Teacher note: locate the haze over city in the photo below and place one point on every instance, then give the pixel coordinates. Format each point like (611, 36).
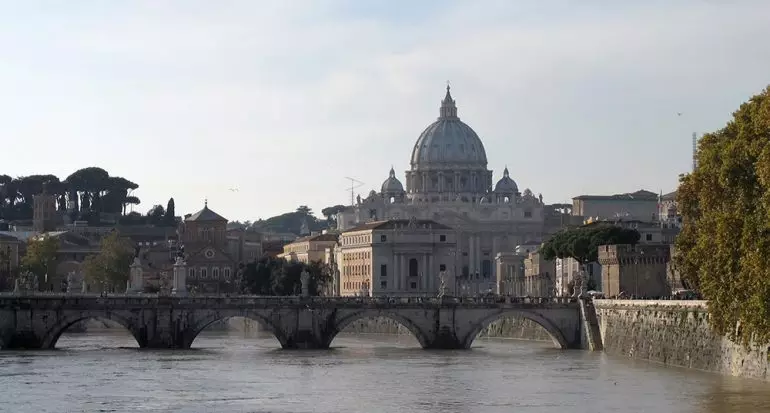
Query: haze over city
(283, 100)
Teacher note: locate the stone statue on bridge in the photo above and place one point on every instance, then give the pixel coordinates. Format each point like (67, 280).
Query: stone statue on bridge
(304, 278)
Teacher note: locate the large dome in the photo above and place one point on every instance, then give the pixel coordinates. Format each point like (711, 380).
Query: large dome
(448, 142)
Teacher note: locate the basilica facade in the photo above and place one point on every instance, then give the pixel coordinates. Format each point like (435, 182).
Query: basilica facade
(448, 182)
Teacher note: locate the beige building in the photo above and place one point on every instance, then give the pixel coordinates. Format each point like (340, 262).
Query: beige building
(636, 271)
(312, 248)
(397, 257)
(640, 205)
(539, 276)
(244, 245)
(448, 182)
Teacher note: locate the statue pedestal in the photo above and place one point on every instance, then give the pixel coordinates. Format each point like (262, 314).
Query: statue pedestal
(180, 278)
(135, 283)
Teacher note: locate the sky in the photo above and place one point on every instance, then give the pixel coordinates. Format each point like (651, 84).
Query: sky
(282, 100)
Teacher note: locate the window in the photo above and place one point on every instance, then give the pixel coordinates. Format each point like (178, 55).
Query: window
(648, 237)
(414, 267)
(442, 238)
(413, 285)
(383, 271)
(215, 273)
(226, 272)
(466, 271)
(527, 214)
(442, 267)
(204, 273)
(191, 273)
(383, 284)
(383, 238)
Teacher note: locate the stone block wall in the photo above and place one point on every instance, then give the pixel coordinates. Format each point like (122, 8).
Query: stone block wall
(675, 333)
(506, 327)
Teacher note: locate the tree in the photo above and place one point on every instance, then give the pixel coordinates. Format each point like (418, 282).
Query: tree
(156, 215)
(275, 276)
(109, 269)
(582, 243)
(725, 241)
(331, 213)
(170, 217)
(41, 256)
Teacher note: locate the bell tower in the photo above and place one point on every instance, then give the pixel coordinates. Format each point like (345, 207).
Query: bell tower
(44, 211)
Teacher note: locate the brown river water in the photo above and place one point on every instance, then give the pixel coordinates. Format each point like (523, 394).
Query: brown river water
(104, 371)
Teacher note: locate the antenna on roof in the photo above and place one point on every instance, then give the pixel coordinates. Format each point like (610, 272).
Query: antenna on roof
(354, 183)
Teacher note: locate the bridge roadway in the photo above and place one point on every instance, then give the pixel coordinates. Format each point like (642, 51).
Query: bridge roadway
(36, 321)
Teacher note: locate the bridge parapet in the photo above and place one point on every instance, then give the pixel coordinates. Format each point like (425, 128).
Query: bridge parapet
(37, 320)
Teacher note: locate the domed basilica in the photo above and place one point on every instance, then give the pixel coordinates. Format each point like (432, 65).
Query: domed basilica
(448, 182)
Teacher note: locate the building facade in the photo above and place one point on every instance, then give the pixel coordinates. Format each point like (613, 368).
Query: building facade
(397, 257)
(448, 182)
(210, 267)
(635, 270)
(539, 276)
(312, 248)
(640, 205)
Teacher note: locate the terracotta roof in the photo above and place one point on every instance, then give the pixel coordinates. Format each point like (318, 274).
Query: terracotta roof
(640, 195)
(205, 214)
(399, 223)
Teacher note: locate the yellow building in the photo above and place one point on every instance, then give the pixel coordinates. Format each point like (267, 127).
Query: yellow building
(309, 249)
(397, 257)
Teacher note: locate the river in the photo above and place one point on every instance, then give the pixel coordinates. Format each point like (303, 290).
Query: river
(103, 371)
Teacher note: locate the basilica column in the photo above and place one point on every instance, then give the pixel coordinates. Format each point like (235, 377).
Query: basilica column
(495, 250)
(477, 246)
(396, 275)
(424, 179)
(457, 182)
(404, 274)
(432, 287)
(425, 275)
(471, 253)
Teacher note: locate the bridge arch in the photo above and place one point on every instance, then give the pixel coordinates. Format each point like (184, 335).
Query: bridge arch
(199, 326)
(559, 340)
(52, 335)
(346, 320)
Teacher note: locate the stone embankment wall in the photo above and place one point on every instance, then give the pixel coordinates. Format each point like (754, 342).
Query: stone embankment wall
(506, 327)
(675, 333)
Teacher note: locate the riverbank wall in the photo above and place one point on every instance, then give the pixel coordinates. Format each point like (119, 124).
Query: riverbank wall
(675, 333)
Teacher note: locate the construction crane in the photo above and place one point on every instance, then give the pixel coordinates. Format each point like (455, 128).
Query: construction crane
(354, 184)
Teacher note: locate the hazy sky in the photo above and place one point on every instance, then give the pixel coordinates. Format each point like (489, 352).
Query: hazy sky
(284, 99)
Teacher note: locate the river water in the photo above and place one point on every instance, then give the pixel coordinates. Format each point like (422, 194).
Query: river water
(103, 371)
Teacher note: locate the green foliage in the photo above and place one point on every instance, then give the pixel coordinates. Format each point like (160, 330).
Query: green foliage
(331, 213)
(724, 246)
(170, 218)
(91, 190)
(582, 243)
(40, 256)
(276, 276)
(291, 222)
(110, 268)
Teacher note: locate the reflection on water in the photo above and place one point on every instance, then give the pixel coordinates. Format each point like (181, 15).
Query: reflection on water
(237, 372)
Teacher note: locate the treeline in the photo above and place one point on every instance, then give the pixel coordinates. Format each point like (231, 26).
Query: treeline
(276, 276)
(85, 194)
(293, 222)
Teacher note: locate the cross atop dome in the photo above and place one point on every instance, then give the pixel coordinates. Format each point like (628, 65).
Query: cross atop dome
(448, 109)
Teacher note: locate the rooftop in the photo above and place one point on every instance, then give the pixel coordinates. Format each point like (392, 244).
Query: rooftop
(205, 214)
(399, 223)
(640, 195)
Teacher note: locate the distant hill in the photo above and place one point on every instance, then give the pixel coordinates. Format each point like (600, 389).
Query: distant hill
(290, 222)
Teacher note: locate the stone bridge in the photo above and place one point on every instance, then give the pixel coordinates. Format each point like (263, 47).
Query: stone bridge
(37, 321)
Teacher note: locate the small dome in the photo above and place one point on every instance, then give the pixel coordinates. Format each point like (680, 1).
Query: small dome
(506, 184)
(392, 184)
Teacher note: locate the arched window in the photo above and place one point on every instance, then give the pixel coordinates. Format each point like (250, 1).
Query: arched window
(226, 271)
(215, 273)
(413, 267)
(204, 273)
(191, 273)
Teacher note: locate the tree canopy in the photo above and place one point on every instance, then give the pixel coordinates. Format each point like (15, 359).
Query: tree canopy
(41, 256)
(89, 191)
(110, 268)
(276, 276)
(724, 247)
(582, 243)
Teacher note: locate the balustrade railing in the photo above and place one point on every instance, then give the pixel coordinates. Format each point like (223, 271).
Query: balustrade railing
(288, 300)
